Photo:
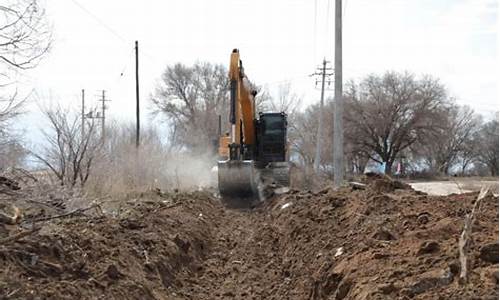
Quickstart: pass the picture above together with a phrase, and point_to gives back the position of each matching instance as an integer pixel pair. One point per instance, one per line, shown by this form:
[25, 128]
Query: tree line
[398, 121]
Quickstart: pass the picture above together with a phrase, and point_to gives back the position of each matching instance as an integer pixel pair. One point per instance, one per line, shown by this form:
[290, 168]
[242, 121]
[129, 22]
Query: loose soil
[385, 241]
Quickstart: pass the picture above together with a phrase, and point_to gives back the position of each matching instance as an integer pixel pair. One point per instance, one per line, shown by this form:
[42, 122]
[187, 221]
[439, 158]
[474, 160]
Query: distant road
[442, 188]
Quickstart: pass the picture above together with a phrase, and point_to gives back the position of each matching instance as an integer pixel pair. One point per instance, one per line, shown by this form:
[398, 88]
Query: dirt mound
[371, 243]
[155, 246]
[383, 183]
[365, 244]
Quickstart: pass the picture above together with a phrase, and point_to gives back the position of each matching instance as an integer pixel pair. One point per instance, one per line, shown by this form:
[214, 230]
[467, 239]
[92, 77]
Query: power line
[327, 27]
[285, 80]
[111, 30]
[127, 63]
[315, 37]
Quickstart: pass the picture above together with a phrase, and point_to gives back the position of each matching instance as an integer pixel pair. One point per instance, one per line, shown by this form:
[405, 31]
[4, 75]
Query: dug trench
[385, 241]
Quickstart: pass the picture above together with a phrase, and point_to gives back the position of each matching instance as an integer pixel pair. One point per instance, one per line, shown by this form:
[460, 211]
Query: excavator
[253, 155]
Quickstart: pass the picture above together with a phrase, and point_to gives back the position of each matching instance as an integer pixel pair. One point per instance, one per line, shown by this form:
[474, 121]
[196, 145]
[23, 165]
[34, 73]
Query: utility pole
[83, 113]
[319, 136]
[338, 126]
[137, 112]
[103, 101]
[103, 116]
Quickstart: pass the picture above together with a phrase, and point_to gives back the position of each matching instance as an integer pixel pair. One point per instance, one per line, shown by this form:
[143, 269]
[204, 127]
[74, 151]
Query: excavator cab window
[273, 125]
[271, 137]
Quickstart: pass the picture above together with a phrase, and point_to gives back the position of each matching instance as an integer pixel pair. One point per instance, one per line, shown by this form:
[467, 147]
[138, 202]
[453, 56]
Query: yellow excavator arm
[244, 101]
[242, 109]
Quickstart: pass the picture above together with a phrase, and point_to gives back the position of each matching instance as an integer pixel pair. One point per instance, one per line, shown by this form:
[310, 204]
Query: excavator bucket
[237, 179]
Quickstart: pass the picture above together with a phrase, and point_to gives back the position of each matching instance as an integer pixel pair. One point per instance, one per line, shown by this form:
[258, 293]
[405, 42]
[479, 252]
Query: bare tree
[398, 118]
[12, 152]
[192, 98]
[468, 155]
[286, 100]
[443, 146]
[487, 138]
[25, 36]
[68, 154]
[387, 114]
[10, 108]
[302, 138]
[303, 135]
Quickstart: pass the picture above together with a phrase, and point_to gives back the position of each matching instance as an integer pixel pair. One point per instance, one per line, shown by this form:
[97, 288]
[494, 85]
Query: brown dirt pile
[157, 244]
[382, 242]
[367, 244]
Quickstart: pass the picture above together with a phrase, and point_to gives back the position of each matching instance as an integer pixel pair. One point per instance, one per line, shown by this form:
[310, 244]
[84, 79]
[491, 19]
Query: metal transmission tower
[325, 72]
[338, 126]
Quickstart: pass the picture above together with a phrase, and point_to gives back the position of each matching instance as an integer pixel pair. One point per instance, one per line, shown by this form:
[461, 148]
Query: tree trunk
[494, 171]
[443, 168]
[362, 165]
[309, 173]
[388, 167]
[464, 166]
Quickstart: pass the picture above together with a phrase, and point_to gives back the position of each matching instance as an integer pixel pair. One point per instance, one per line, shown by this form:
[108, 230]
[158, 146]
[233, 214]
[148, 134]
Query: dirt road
[443, 188]
[385, 242]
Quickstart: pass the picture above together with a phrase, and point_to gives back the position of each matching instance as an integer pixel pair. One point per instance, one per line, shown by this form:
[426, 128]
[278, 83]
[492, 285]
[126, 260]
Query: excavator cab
[271, 137]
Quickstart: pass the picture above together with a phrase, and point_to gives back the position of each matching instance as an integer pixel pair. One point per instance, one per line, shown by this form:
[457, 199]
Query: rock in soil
[428, 247]
[489, 253]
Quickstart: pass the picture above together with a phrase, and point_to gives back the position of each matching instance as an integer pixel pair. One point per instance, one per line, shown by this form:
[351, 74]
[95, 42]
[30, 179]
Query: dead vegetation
[75, 156]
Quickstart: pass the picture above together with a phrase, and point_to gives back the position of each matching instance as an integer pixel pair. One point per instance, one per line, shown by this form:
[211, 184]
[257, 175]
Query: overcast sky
[279, 40]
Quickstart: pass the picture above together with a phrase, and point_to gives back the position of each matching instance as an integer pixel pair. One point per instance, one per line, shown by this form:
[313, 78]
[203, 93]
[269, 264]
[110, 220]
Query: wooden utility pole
[220, 126]
[338, 126]
[103, 116]
[137, 112]
[319, 136]
[83, 113]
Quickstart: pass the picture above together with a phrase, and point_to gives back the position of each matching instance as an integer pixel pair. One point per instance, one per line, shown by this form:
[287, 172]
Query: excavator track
[273, 177]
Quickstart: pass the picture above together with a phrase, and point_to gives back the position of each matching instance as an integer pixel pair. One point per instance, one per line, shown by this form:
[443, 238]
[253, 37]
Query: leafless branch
[69, 152]
[25, 34]
[464, 241]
